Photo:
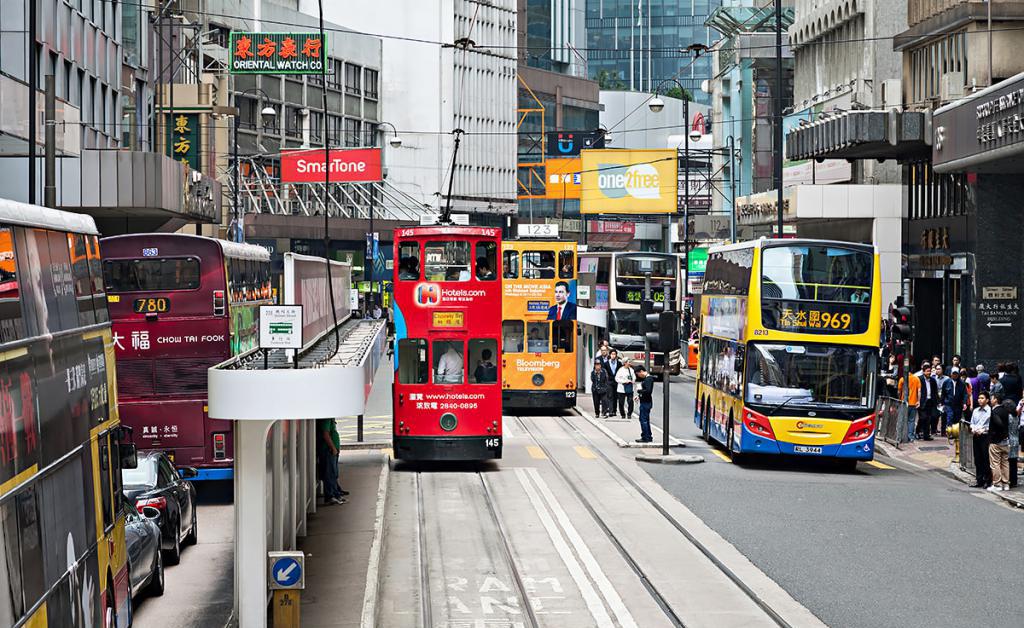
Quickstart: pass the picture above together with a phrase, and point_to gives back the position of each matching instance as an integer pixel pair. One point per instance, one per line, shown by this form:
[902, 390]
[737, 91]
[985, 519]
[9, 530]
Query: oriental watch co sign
[277, 53]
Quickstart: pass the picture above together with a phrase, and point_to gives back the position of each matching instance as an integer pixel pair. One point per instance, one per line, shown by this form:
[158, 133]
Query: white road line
[369, 616]
[590, 596]
[611, 595]
[506, 427]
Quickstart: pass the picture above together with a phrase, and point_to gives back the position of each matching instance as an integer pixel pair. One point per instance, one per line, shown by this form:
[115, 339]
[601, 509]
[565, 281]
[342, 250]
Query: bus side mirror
[129, 455]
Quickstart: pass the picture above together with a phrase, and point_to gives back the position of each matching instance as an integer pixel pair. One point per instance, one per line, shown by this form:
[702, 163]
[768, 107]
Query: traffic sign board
[286, 570]
[280, 326]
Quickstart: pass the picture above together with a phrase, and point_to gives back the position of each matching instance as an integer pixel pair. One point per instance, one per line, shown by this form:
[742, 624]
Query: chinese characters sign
[183, 138]
[277, 53]
[817, 318]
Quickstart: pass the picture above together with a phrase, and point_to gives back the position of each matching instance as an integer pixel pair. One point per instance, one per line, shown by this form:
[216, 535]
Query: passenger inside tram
[483, 269]
[486, 371]
[449, 366]
[409, 268]
[537, 338]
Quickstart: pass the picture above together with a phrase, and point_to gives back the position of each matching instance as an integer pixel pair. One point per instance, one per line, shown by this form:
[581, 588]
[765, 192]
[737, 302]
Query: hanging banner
[347, 165]
[628, 181]
[183, 138]
[277, 53]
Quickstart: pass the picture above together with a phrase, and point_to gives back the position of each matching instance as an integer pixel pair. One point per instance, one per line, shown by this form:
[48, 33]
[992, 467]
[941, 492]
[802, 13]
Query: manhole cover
[935, 448]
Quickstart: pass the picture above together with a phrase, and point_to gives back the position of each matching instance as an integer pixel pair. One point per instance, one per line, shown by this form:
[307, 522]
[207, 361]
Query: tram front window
[481, 361]
[449, 365]
[409, 261]
[446, 261]
[412, 361]
[538, 337]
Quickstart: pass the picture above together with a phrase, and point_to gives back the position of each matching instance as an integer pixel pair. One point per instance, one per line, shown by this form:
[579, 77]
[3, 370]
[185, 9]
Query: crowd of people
[615, 384]
[939, 397]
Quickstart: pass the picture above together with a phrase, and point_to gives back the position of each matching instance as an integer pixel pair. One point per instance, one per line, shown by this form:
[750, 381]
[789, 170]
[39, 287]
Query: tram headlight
[537, 379]
[448, 421]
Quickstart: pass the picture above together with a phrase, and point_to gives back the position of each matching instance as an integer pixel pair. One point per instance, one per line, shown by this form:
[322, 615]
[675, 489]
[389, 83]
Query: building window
[247, 112]
[370, 83]
[352, 137]
[352, 79]
[335, 77]
[931, 195]
[334, 130]
[369, 134]
[316, 126]
[293, 122]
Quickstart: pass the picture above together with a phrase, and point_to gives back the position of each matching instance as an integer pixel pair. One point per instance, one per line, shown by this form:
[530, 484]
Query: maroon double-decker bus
[447, 311]
[179, 305]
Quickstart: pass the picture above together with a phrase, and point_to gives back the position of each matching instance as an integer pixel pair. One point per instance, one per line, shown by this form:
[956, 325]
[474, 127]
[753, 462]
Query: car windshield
[144, 475]
[811, 375]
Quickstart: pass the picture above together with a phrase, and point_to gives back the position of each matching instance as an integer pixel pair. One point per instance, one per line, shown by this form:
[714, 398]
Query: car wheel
[174, 554]
[156, 579]
[193, 531]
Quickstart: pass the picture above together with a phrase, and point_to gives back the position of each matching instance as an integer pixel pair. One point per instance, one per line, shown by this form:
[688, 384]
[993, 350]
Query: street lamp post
[267, 114]
[370, 262]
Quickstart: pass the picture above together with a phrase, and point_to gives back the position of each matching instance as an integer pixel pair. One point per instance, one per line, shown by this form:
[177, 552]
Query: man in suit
[563, 309]
[957, 399]
[928, 402]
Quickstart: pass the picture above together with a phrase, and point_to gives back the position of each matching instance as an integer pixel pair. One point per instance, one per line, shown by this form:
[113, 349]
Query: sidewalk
[624, 432]
[940, 455]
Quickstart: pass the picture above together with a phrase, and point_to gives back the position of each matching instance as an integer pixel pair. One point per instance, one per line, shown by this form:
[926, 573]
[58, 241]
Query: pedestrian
[936, 361]
[645, 388]
[979, 440]
[890, 374]
[998, 447]
[972, 381]
[928, 402]
[599, 389]
[955, 363]
[328, 445]
[612, 366]
[957, 400]
[624, 380]
[984, 379]
[942, 411]
[910, 392]
[1013, 387]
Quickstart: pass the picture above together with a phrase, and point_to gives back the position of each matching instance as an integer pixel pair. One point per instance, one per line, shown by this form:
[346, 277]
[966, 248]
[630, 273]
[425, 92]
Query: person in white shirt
[449, 367]
[625, 378]
[979, 433]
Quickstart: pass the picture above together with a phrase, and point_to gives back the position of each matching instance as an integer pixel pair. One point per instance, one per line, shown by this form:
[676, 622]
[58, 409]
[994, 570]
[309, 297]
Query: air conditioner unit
[951, 86]
[892, 94]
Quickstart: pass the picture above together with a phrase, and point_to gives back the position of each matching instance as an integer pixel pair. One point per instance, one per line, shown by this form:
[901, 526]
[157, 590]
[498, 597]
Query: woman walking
[625, 378]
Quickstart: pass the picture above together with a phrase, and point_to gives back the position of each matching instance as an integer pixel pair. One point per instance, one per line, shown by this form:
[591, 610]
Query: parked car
[156, 483]
[145, 560]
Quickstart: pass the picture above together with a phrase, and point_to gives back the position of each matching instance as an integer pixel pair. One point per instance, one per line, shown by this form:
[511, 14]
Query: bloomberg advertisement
[347, 165]
[628, 181]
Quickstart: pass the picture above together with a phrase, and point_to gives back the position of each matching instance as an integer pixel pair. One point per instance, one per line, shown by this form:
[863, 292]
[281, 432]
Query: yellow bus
[789, 348]
[538, 324]
[62, 514]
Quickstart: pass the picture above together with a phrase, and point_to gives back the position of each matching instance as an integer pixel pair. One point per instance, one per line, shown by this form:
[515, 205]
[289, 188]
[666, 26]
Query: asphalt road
[875, 547]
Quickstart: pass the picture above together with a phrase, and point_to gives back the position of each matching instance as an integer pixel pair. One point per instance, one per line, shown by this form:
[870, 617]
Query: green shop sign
[277, 53]
[697, 260]
[183, 138]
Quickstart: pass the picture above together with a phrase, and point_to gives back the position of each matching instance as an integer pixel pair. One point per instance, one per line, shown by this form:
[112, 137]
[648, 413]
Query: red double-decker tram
[447, 314]
[179, 305]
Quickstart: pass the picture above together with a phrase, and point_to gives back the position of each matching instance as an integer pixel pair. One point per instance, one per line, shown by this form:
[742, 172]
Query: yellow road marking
[721, 454]
[880, 465]
[585, 453]
[536, 452]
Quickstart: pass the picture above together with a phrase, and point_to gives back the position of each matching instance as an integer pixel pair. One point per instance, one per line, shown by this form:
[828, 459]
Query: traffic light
[647, 308]
[901, 330]
[661, 329]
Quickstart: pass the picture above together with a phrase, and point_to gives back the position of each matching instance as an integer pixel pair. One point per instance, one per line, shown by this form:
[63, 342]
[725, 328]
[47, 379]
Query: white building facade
[449, 64]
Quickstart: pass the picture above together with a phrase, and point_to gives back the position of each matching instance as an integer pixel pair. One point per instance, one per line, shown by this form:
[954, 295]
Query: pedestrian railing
[966, 443]
[891, 415]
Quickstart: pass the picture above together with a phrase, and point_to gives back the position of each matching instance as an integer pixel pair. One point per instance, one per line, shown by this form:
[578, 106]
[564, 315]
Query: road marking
[597, 610]
[881, 465]
[611, 595]
[506, 427]
[721, 454]
[389, 452]
[536, 452]
[585, 452]
[369, 613]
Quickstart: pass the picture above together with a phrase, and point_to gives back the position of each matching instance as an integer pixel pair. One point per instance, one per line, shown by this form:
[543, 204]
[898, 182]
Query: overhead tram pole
[777, 101]
[267, 114]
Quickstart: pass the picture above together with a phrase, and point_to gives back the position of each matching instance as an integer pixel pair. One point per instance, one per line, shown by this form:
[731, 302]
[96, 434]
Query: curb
[1007, 496]
[369, 614]
[618, 440]
[670, 459]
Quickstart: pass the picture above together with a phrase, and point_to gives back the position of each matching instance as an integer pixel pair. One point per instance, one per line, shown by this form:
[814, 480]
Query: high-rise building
[636, 44]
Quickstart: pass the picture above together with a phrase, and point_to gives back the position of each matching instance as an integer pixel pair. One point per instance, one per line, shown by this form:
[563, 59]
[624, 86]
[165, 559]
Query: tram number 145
[493, 443]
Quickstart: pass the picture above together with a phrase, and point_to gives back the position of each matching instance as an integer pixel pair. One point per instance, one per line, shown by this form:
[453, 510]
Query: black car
[145, 560]
[156, 483]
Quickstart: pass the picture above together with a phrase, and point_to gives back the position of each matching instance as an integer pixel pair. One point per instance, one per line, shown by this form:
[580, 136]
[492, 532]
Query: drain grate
[935, 448]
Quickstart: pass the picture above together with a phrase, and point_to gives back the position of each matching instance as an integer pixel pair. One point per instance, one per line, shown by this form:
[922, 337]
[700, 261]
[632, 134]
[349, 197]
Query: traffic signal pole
[665, 370]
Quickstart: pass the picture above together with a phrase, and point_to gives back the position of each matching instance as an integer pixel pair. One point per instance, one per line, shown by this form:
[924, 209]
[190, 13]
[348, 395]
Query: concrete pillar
[251, 488]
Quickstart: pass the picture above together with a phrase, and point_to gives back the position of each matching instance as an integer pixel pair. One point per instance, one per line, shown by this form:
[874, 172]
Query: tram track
[505, 548]
[579, 437]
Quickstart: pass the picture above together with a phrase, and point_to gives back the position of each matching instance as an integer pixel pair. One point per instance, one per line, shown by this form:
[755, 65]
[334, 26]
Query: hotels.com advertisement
[353, 165]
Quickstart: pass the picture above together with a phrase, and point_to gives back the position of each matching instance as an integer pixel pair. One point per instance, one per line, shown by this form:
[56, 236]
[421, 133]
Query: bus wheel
[704, 421]
[733, 455]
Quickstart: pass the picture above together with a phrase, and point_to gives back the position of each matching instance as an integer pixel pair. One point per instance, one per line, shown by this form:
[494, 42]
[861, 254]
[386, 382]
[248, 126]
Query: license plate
[803, 449]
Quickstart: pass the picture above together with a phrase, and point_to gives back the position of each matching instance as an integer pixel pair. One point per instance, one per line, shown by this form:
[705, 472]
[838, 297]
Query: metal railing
[966, 444]
[891, 415]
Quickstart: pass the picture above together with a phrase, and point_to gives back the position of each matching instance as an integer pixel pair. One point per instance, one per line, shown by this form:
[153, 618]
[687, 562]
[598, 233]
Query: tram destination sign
[277, 53]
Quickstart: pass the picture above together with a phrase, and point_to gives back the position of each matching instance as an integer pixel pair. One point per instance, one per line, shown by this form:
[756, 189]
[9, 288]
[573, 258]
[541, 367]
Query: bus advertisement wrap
[628, 182]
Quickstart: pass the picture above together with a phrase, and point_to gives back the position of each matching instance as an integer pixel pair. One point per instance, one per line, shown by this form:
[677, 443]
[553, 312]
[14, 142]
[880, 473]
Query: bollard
[287, 579]
[359, 428]
[287, 608]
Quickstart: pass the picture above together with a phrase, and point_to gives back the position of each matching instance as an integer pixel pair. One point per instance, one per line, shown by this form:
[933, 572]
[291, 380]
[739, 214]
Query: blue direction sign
[286, 572]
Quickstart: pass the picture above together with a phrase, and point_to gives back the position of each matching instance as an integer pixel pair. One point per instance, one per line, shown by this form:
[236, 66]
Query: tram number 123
[493, 443]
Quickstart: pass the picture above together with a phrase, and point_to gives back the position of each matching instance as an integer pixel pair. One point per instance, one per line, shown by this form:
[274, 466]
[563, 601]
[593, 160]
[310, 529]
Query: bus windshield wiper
[779, 406]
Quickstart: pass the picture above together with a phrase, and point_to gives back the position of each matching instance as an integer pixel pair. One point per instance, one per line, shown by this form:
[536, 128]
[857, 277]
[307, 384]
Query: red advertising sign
[352, 165]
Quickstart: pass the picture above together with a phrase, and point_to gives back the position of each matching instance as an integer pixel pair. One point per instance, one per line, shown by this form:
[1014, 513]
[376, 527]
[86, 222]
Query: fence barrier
[966, 447]
[891, 415]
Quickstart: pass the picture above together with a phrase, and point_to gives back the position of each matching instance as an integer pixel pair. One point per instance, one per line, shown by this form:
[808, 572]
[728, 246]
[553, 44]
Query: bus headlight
[449, 422]
[537, 379]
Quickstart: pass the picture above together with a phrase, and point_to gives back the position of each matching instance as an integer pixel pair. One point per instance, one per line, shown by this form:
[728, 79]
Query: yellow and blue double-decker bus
[62, 514]
[538, 324]
[789, 348]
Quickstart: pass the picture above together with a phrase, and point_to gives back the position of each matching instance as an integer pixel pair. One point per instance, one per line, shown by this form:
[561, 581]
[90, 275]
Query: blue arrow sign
[286, 571]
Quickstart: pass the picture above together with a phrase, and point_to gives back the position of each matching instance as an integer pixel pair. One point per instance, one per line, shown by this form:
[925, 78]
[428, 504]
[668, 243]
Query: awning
[867, 134]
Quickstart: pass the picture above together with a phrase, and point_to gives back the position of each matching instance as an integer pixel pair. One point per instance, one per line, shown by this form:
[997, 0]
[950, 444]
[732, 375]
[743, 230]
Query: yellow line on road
[721, 454]
[536, 452]
[585, 452]
[880, 465]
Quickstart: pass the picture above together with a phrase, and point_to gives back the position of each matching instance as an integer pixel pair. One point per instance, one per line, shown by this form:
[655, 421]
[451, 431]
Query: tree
[609, 80]
[677, 92]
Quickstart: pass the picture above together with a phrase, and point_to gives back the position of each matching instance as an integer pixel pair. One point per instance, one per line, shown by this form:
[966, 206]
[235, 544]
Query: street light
[395, 141]
[267, 115]
[656, 104]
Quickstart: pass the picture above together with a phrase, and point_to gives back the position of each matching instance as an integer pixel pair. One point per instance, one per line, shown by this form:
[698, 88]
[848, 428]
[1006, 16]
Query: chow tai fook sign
[351, 165]
[277, 53]
[628, 181]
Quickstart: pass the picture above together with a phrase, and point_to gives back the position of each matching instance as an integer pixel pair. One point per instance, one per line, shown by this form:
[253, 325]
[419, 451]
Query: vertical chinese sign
[277, 53]
[183, 138]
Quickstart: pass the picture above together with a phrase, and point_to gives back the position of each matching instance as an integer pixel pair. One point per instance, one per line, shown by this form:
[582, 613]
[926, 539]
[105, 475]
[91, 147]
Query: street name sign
[280, 327]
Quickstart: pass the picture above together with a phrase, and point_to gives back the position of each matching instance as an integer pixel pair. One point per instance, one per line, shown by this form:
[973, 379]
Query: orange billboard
[562, 178]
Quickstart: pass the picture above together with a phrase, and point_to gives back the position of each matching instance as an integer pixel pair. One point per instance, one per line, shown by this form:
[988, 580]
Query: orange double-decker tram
[447, 314]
